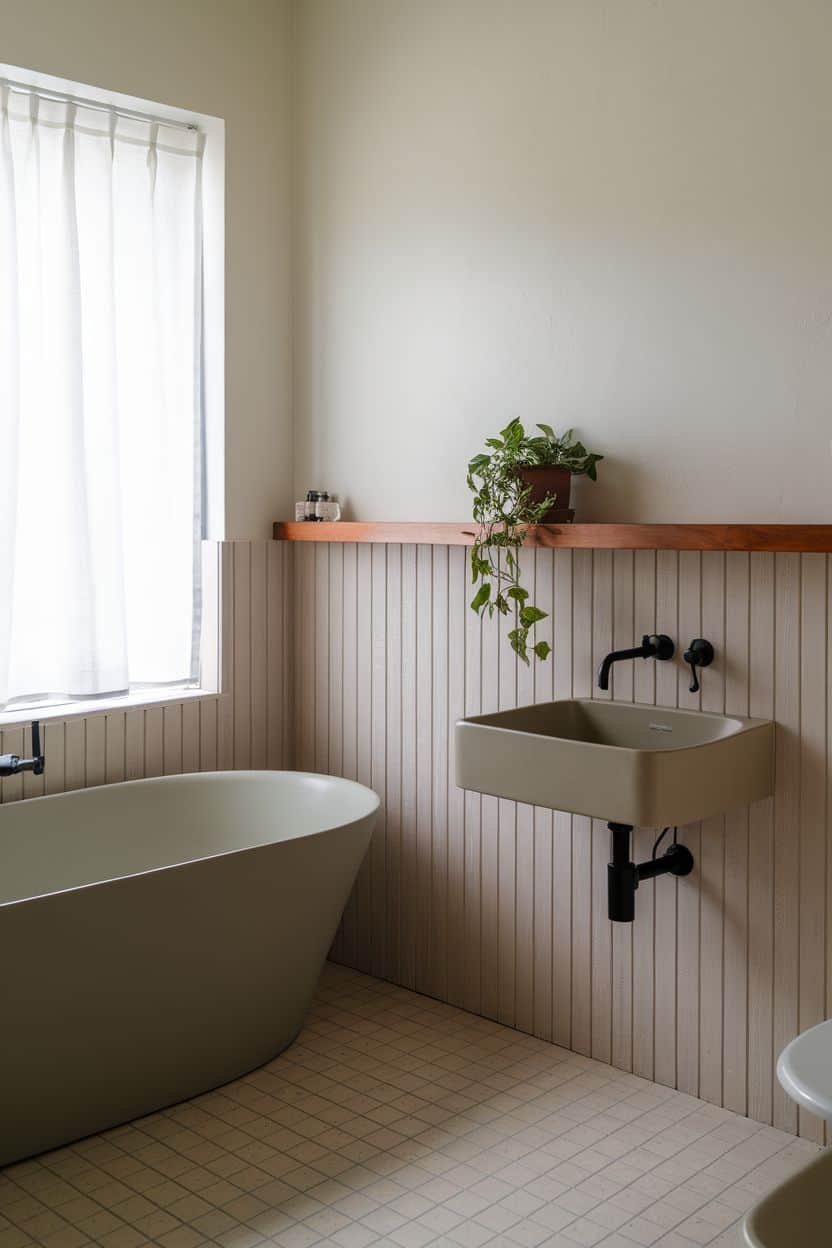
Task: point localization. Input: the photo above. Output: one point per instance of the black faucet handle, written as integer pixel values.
(700, 653)
(661, 646)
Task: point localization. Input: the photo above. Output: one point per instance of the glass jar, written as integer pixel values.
(326, 508)
(318, 506)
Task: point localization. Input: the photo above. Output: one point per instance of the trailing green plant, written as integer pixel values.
(503, 510)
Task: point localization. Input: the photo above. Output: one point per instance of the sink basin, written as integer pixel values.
(643, 765)
(804, 1069)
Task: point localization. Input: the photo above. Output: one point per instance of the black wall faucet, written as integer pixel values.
(653, 646)
(11, 764)
(700, 653)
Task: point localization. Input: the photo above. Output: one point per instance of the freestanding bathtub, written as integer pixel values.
(160, 937)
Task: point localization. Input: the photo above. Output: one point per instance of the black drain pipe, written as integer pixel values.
(623, 876)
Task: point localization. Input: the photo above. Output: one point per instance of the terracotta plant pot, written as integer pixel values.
(548, 481)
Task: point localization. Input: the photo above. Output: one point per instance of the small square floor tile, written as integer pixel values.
(397, 1120)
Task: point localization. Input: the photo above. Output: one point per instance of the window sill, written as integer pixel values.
(19, 716)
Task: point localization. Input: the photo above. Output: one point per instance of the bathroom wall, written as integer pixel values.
(230, 61)
(248, 725)
(356, 660)
(607, 214)
(501, 908)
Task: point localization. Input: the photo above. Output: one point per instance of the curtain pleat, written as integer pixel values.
(100, 405)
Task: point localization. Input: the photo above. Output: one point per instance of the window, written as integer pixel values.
(102, 413)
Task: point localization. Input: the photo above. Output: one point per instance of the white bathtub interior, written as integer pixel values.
(115, 831)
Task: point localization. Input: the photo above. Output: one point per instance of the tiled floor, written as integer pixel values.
(397, 1120)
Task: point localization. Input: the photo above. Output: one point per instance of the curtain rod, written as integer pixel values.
(48, 93)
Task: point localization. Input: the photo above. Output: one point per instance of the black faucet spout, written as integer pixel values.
(653, 646)
(615, 656)
(13, 765)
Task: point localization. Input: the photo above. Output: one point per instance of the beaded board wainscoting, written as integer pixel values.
(499, 907)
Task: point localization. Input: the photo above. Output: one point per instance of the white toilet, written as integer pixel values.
(798, 1213)
(804, 1069)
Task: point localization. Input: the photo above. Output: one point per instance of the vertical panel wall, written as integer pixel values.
(247, 725)
(356, 660)
(501, 908)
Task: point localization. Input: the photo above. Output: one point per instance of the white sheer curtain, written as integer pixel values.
(100, 406)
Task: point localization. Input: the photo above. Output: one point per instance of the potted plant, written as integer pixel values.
(516, 484)
(549, 464)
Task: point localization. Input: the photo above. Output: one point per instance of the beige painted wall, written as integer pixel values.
(611, 213)
(229, 60)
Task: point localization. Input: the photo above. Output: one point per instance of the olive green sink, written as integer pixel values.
(641, 765)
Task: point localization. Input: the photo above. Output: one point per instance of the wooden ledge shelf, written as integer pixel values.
(796, 538)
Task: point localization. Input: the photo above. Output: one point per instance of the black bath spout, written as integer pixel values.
(12, 765)
(653, 646)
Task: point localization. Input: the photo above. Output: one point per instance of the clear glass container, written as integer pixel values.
(326, 508)
(318, 506)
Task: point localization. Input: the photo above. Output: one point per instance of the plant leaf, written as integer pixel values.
(531, 615)
(518, 637)
(513, 430)
(542, 649)
(481, 596)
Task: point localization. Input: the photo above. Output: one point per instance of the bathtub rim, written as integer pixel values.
(337, 781)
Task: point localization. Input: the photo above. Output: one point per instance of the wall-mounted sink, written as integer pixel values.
(640, 765)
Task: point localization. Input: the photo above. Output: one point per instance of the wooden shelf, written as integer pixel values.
(750, 537)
